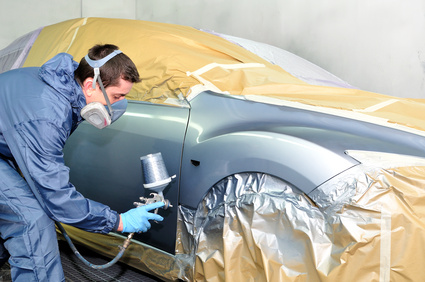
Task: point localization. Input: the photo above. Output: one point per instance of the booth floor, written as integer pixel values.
(77, 271)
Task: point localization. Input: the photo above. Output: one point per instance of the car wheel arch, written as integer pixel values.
(230, 220)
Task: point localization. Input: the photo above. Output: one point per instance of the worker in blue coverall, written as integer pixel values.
(39, 108)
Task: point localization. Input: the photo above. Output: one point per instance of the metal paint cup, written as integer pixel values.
(154, 172)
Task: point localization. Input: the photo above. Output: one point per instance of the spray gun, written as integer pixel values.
(156, 179)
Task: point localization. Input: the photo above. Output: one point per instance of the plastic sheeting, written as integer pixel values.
(14, 55)
(168, 55)
(297, 66)
(163, 54)
(367, 224)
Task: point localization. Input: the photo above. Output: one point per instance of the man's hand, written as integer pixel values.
(137, 219)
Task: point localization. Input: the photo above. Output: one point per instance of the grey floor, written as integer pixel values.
(76, 271)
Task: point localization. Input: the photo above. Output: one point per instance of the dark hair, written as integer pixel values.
(120, 66)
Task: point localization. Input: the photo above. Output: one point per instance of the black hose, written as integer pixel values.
(89, 264)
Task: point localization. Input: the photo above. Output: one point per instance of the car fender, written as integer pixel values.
(297, 161)
(227, 135)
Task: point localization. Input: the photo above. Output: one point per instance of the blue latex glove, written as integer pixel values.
(137, 219)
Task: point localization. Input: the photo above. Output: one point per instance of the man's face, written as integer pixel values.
(115, 93)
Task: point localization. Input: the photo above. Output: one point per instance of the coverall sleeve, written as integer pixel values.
(40, 144)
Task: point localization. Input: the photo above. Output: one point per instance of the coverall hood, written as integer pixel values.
(59, 74)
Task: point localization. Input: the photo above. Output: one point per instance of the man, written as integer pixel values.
(39, 109)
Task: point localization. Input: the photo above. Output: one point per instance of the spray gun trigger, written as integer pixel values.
(154, 199)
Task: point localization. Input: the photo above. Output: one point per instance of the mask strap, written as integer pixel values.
(106, 96)
(96, 64)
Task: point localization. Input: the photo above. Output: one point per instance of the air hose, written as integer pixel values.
(86, 262)
(144, 201)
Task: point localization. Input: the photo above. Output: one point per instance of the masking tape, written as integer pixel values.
(75, 35)
(336, 112)
(385, 256)
(378, 106)
(207, 85)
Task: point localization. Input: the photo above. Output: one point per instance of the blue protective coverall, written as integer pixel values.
(39, 109)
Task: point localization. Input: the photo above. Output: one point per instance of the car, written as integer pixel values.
(283, 171)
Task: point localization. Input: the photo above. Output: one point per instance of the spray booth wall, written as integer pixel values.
(375, 45)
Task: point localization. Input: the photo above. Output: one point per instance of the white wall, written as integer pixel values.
(376, 45)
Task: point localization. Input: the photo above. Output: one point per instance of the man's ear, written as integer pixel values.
(88, 86)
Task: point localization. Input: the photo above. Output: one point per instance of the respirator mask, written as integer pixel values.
(95, 113)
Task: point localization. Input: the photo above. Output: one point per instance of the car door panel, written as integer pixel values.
(105, 164)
